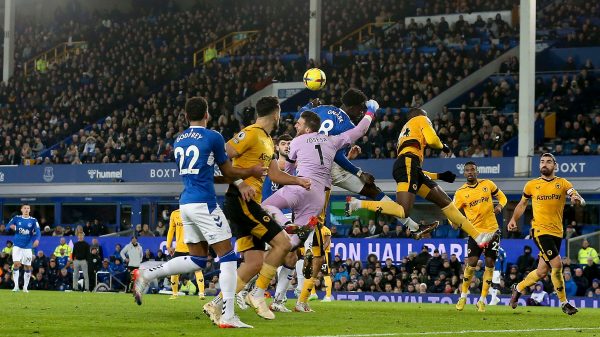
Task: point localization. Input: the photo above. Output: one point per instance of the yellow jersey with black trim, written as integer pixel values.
(255, 146)
(326, 232)
(476, 201)
(416, 135)
(548, 198)
(176, 229)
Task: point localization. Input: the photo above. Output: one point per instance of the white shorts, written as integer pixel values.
(496, 277)
(22, 255)
(200, 224)
(346, 180)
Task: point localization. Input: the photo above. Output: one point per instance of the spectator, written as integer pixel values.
(96, 244)
(423, 257)
(160, 229)
(586, 252)
(187, 286)
(148, 256)
(64, 280)
(385, 232)
(581, 282)
(525, 262)
(570, 286)
(132, 255)
(94, 265)
(62, 249)
(539, 297)
(146, 231)
(435, 264)
(40, 261)
(591, 270)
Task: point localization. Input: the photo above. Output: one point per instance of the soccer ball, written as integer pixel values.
(314, 79)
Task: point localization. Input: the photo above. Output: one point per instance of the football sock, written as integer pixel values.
(559, 284)
(266, 274)
(227, 280)
(313, 291)
(175, 266)
(27, 276)
(529, 280)
(200, 281)
(16, 277)
(410, 223)
(328, 284)
(321, 216)
(468, 275)
(299, 274)
(385, 207)
(456, 218)
(487, 282)
(306, 289)
(175, 284)
(283, 281)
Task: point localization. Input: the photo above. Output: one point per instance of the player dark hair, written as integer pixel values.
(311, 120)
(196, 108)
(25, 204)
(548, 154)
(471, 163)
(414, 112)
(284, 137)
(266, 105)
(353, 97)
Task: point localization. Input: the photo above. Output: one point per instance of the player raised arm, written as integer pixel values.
(446, 176)
(576, 198)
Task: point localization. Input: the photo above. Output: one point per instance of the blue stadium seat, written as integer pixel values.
(441, 231)
(587, 229)
(453, 233)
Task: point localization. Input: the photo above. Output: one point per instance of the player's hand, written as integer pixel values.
(246, 191)
(258, 171)
(447, 176)
(171, 251)
(445, 149)
(315, 102)
(35, 243)
(576, 199)
(304, 182)
(354, 152)
(512, 226)
(498, 209)
(367, 178)
(372, 106)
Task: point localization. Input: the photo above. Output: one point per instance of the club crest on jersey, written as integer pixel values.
(549, 253)
(485, 189)
(240, 136)
(266, 218)
(557, 186)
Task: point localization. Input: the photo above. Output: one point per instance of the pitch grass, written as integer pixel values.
(42, 313)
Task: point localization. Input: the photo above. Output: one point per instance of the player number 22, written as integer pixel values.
(180, 154)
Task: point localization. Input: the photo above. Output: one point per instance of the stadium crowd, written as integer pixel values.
(428, 271)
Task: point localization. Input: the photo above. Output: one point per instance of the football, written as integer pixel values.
(314, 79)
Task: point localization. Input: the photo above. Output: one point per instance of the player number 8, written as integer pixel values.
(326, 126)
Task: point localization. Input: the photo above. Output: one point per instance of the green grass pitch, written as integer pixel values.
(109, 314)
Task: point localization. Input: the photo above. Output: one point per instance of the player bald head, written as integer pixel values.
(196, 109)
(414, 112)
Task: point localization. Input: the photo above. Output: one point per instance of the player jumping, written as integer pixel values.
(415, 136)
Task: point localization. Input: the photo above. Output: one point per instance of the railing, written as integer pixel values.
(225, 45)
(361, 34)
(54, 55)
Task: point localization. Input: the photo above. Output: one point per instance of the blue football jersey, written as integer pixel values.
(26, 232)
(500, 261)
(333, 119)
(197, 150)
(269, 187)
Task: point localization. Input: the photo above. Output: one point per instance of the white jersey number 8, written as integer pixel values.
(326, 126)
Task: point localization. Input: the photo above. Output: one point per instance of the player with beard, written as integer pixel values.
(548, 195)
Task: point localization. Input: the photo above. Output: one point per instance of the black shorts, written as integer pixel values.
(177, 254)
(549, 246)
(250, 223)
(491, 251)
(409, 176)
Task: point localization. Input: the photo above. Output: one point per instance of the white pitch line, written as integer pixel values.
(453, 332)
